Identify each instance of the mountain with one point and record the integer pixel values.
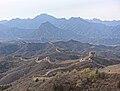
(49, 32)
(108, 23)
(57, 54)
(10, 33)
(24, 49)
(30, 23)
(33, 66)
(4, 30)
(68, 64)
(3, 21)
(76, 27)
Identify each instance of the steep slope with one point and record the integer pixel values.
(8, 33)
(47, 73)
(80, 82)
(111, 69)
(36, 65)
(48, 32)
(82, 29)
(24, 49)
(4, 31)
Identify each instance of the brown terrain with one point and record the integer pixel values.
(59, 66)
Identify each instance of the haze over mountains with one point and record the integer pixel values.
(45, 28)
(106, 22)
(48, 54)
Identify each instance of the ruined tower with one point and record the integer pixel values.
(92, 54)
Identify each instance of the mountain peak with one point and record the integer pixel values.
(46, 24)
(44, 16)
(97, 20)
(77, 19)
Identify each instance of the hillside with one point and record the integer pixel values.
(45, 75)
(48, 32)
(26, 49)
(111, 69)
(75, 82)
(33, 66)
(76, 27)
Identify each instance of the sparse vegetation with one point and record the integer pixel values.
(59, 74)
(57, 87)
(74, 71)
(4, 87)
(101, 75)
(92, 74)
(65, 74)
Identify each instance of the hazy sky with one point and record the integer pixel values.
(102, 9)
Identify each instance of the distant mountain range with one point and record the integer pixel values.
(109, 23)
(45, 28)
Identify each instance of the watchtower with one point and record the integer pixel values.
(92, 54)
